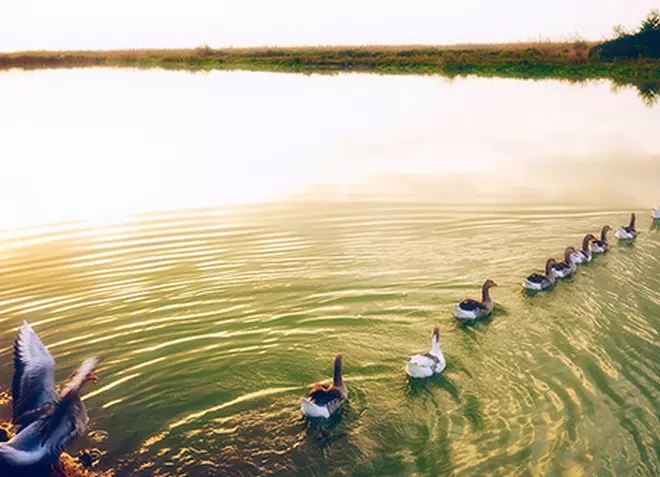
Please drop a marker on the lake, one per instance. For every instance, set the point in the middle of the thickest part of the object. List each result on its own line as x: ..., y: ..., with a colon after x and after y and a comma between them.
x: 218, y: 237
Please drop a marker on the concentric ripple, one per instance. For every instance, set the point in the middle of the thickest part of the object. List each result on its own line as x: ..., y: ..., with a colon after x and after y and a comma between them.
x: 212, y: 323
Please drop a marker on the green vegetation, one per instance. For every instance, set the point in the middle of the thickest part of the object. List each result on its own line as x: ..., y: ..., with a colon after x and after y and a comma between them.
x: 643, y: 43
x: 629, y: 59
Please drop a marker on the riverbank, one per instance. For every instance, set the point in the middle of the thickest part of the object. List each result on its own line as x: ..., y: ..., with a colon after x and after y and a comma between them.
x: 568, y: 61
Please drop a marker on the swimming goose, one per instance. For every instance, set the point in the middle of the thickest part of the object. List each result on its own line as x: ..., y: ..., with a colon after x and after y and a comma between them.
x: 470, y: 309
x: 655, y: 213
x: 566, y: 267
x: 426, y: 365
x: 538, y: 281
x: 602, y: 245
x: 629, y: 232
x: 47, y: 422
x: 584, y: 255
x: 324, y: 400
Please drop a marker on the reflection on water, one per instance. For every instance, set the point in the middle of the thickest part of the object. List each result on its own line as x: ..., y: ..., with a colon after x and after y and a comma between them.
x: 254, y: 225
x: 103, y: 144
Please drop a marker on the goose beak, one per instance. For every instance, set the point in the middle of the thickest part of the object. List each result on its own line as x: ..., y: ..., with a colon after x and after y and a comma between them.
x: 93, y: 378
x: 494, y: 284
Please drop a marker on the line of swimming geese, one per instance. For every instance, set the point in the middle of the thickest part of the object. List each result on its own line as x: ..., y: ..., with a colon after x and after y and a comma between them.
x: 48, y: 421
x: 324, y: 399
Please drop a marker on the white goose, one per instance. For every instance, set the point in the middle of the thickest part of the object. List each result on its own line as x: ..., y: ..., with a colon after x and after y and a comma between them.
x: 48, y: 423
x: 426, y: 365
x: 627, y: 232
x: 323, y: 400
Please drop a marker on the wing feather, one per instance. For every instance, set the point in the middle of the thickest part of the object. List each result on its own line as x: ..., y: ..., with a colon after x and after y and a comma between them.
x: 470, y: 305
x: 34, y: 377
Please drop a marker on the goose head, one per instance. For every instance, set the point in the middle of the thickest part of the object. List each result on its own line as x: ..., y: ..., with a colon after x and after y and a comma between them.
x: 488, y: 284
x: 588, y: 238
x: 568, y: 254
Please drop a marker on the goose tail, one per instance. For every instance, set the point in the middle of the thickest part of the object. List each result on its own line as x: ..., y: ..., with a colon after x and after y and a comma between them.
x: 310, y: 409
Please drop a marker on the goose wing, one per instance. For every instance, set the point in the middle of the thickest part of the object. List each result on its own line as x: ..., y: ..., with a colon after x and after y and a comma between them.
x: 79, y: 377
x: 322, y: 395
x: 68, y: 421
x: 471, y: 305
x: 34, y: 377
x: 537, y: 278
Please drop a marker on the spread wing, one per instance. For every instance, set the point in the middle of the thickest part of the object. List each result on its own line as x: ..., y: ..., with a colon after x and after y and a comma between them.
x: 34, y: 377
x: 471, y: 305
x: 68, y: 421
x: 79, y: 377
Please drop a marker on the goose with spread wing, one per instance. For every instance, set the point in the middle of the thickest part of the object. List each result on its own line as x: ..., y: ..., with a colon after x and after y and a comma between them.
x: 47, y: 422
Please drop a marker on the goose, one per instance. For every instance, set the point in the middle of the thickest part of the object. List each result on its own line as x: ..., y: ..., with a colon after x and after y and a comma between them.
x: 470, y: 309
x: 566, y: 267
x: 324, y: 400
x: 47, y: 422
x: 584, y: 255
x: 539, y: 281
x: 426, y: 365
x: 602, y: 245
x: 629, y: 232
x: 655, y: 213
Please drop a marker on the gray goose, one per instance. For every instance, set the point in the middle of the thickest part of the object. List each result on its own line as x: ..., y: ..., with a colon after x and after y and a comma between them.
x: 47, y: 422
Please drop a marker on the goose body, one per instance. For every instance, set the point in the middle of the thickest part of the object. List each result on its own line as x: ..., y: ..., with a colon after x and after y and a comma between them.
x: 426, y: 365
x: 539, y: 281
x: 584, y: 255
x: 470, y: 309
x: 324, y: 400
x: 47, y: 422
x: 601, y: 245
x: 628, y: 232
x: 566, y: 267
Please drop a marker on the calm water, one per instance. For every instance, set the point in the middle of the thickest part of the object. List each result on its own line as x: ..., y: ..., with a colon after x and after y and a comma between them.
x: 218, y: 238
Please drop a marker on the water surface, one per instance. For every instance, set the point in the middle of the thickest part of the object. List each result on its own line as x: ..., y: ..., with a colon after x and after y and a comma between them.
x: 218, y: 238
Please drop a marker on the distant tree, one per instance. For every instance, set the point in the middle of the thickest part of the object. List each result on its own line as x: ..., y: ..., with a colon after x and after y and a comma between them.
x: 651, y: 22
x: 619, y: 31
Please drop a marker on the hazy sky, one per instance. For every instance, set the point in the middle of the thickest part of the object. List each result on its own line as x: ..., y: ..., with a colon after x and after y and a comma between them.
x: 89, y: 24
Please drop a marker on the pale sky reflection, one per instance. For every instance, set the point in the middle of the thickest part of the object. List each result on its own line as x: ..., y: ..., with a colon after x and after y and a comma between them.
x: 103, y: 144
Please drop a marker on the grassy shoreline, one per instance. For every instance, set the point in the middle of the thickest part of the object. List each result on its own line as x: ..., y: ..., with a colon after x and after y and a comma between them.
x: 566, y: 60
x: 569, y: 61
